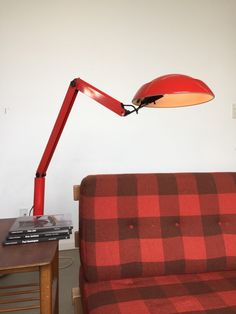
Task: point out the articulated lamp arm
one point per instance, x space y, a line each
172 90
77 85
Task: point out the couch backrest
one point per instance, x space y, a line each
134 225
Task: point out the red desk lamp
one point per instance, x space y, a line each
174 90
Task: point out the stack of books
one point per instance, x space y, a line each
33 229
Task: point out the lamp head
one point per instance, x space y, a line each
172 90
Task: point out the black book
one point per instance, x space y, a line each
43 239
33 235
44 223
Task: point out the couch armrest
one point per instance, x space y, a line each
76 192
76 300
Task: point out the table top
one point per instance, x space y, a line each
24 255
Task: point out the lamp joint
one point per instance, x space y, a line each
73 83
40 175
127 112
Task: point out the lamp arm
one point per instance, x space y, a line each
77 85
101 97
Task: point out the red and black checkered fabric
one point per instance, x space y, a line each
142 225
205 293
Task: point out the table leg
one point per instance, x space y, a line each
49 287
55 270
45 274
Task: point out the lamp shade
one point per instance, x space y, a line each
173 90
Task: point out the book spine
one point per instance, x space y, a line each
25 241
39 235
46 229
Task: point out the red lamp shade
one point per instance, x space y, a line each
173 90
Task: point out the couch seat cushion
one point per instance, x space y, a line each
211 293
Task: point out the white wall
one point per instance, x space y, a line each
116 46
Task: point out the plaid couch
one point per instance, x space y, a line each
158 243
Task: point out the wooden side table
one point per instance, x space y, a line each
41 257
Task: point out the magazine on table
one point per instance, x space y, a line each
43 223
41 234
36 240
